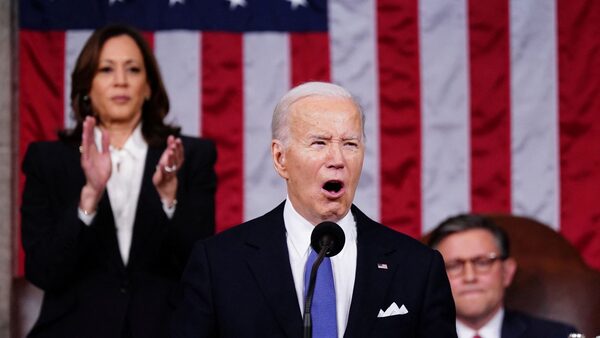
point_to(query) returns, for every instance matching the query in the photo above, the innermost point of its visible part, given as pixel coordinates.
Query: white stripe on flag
(534, 148)
(352, 33)
(73, 45)
(445, 110)
(178, 54)
(266, 79)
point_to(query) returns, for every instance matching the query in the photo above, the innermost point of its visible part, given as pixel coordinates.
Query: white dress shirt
(124, 186)
(491, 329)
(298, 232)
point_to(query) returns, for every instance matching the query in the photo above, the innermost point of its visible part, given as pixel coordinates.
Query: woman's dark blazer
(88, 291)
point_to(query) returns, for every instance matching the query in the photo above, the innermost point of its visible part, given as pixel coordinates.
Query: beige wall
(7, 154)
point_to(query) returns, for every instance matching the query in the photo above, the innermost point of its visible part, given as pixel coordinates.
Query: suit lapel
(148, 204)
(374, 272)
(268, 259)
(512, 325)
(104, 221)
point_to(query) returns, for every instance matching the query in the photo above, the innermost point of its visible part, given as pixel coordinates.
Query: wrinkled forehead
(317, 108)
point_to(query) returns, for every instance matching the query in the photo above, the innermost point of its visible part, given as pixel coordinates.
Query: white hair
(279, 124)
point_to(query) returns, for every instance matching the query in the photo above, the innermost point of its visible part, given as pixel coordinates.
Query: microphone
(327, 239)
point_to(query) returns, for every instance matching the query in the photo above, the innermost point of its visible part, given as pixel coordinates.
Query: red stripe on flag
(400, 120)
(222, 120)
(489, 58)
(579, 109)
(41, 95)
(310, 57)
(149, 36)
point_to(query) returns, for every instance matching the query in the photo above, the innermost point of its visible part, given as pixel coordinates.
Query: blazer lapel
(268, 259)
(148, 204)
(512, 325)
(374, 272)
(105, 221)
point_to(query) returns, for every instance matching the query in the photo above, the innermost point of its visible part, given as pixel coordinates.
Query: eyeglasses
(481, 264)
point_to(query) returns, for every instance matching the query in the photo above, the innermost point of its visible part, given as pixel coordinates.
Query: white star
(296, 3)
(173, 2)
(112, 2)
(235, 3)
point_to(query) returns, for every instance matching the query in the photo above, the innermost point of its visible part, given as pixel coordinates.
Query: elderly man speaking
(252, 280)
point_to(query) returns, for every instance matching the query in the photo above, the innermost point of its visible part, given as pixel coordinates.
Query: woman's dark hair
(154, 109)
(464, 222)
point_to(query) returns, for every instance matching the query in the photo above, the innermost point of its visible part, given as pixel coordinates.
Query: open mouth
(333, 186)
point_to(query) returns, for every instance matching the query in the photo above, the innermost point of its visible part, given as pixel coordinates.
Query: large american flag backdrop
(485, 106)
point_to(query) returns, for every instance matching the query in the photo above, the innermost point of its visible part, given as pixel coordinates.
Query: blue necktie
(324, 322)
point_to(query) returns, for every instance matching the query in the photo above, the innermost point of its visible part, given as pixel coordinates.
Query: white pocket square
(393, 310)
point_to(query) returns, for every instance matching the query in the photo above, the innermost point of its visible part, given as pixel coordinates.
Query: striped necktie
(324, 322)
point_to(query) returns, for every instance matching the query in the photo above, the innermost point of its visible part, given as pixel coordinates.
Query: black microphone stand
(328, 239)
(311, 290)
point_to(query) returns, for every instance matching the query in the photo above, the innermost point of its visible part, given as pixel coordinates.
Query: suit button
(124, 287)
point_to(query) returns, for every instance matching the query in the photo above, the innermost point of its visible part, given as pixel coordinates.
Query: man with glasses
(479, 267)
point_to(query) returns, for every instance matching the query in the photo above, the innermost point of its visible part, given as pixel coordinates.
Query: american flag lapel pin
(382, 266)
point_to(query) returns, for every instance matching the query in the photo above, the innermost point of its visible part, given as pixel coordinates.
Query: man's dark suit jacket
(88, 291)
(239, 284)
(520, 325)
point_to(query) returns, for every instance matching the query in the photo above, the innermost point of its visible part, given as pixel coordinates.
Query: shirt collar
(135, 144)
(491, 329)
(299, 229)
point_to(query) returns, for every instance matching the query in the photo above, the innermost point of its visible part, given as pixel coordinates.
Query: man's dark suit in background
(480, 268)
(520, 325)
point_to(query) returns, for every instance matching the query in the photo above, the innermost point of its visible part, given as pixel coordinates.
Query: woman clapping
(111, 210)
